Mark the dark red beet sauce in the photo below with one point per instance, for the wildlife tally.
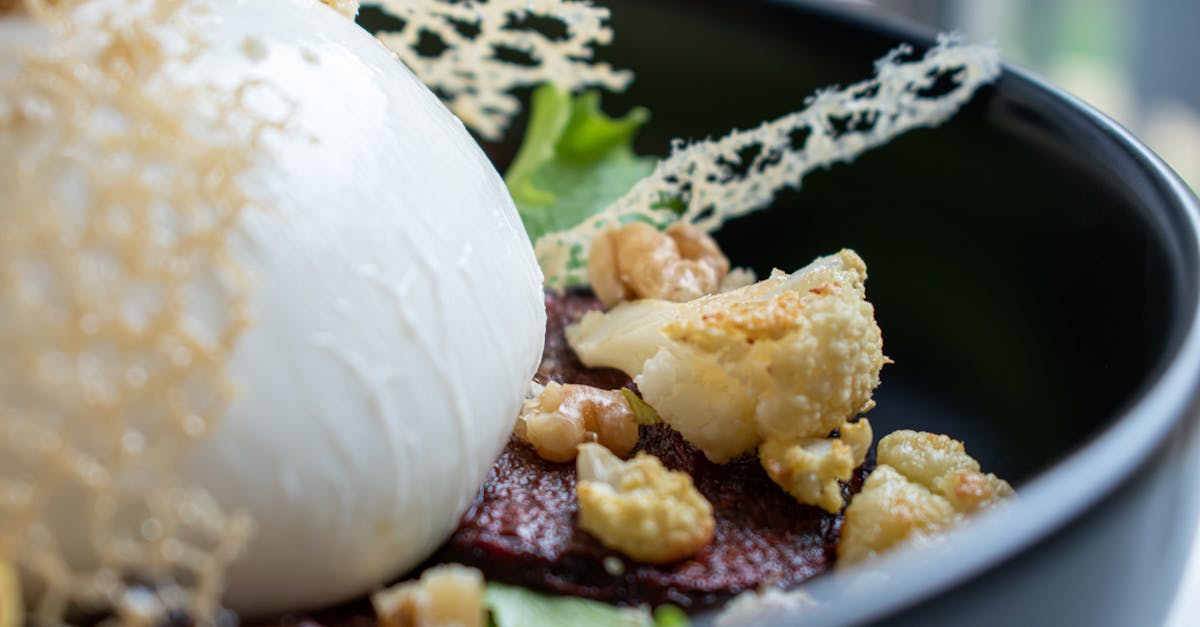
(521, 528)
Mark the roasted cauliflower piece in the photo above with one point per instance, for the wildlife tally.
(640, 508)
(449, 595)
(858, 436)
(557, 418)
(941, 464)
(809, 469)
(639, 261)
(924, 483)
(788, 358)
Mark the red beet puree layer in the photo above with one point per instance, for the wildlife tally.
(521, 528)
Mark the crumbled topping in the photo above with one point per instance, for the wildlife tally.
(809, 469)
(473, 70)
(639, 507)
(448, 595)
(714, 182)
(859, 436)
(941, 464)
(120, 191)
(924, 483)
(788, 358)
(639, 261)
(560, 417)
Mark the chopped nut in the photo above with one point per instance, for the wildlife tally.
(640, 508)
(560, 417)
(445, 596)
(638, 261)
(809, 469)
(924, 483)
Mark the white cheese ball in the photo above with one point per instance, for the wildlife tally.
(399, 316)
(397, 311)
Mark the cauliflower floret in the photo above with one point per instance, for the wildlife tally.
(11, 608)
(558, 418)
(639, 507)
(790, 357)
(890, 509)
(639, 261)
(809, 469)
(941, 464)
(924, 483)
(859, 436)
(449, 595)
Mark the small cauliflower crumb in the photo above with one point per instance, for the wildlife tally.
(924, 483)
(640, 508)
(637, 261)
(859, 436)
(449, 595)
(809, 469)
(557, 418)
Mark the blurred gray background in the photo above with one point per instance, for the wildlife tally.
(1136, 60)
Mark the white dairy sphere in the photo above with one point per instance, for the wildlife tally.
(397, 312)
(398, 317)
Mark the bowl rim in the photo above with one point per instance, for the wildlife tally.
(1080, 480)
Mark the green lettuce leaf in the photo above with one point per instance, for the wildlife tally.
(517, 607)
(574, 160)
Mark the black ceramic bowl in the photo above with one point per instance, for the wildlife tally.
(1035, 272)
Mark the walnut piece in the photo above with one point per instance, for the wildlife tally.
(560, 417)
(449, 595)
(924, 483)
(638, 261)
(639, 507)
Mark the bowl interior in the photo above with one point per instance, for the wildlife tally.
(1023, 295)
(1030, 284)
